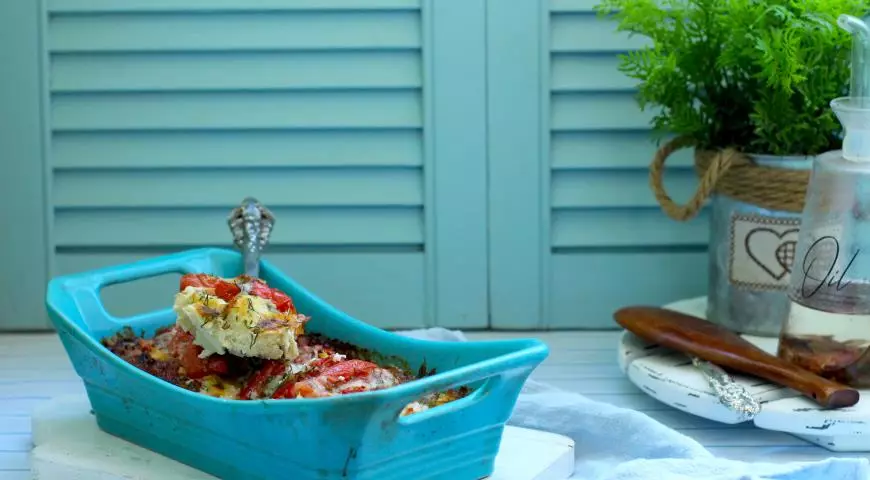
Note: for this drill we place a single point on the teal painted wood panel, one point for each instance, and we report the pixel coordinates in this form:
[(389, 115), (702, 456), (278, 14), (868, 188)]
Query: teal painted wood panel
[(456, 211), (587, 72), (624, 227), (622, 188), (587, 287), (576, 29), (610, 244), (360, 124), (479, 158), (24, 255), (592, 111), (573, 161), (608, 149), (518, 217)]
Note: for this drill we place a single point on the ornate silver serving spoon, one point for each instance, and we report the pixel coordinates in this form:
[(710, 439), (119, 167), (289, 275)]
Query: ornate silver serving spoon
[(251, 225)]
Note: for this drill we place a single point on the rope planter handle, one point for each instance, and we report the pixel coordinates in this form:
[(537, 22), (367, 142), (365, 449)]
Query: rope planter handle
[(729, 172)]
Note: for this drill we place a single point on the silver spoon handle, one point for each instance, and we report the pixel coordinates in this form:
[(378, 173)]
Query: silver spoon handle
[(251, 225), (729, 392)]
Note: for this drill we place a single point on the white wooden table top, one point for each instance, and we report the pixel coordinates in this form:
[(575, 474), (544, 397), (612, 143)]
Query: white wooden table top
[(34, 367)]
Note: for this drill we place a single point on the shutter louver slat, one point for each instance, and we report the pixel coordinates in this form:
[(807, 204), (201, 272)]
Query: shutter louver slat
[(141, 227), (234, 31), (104, 6), (279, 188), (581, 31), (323, 148), (588, 72), (236, 71), (613, 149), (236, 110)]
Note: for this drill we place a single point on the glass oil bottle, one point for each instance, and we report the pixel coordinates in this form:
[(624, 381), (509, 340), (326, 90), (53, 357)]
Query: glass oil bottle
[(827, 330)]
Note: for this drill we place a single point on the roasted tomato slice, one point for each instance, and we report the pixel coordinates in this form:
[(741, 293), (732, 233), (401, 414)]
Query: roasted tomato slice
[(196, 367), (356, 389), (286, 390), (299, 389), (193, 366), (182, 347), (222, 288), (217, 364), (260, 289), (281, 300), (326, 373), (198, 280), (348, 369), (254, 388), (226, 290)]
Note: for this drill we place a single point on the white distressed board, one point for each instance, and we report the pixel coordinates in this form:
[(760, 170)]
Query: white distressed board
[(669, 377), (68, 445)]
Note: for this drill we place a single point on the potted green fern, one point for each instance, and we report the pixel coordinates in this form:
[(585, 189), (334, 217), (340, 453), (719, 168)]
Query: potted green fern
[(747, 84)]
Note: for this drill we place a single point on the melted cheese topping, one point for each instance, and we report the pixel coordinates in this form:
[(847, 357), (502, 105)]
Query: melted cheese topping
[(159, 354), (217, 387), (414, 407), (247, 326)]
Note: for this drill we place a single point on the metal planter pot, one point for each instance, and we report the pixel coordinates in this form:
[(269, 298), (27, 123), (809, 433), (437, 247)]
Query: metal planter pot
[(750, 259)]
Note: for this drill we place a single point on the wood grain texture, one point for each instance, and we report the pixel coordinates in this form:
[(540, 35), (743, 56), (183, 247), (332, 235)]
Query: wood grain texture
[(708, 341), (586, 287)]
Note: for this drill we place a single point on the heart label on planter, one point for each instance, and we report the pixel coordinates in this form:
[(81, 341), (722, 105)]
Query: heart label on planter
[(762, 251)]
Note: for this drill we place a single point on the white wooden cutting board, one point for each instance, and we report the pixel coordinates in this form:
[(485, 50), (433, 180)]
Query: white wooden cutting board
[(669, 377), (68, 445)]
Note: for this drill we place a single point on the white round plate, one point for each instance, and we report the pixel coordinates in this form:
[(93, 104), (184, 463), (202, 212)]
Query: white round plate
[(669, 377)]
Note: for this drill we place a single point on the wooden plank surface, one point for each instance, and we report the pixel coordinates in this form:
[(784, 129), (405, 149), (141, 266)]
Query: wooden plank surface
[(34, 367)]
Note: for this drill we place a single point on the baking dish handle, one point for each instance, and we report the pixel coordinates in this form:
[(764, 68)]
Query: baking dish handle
[(502, 378), (84, 289)]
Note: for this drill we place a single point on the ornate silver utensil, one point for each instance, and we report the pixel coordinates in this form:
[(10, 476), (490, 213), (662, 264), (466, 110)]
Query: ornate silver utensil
[(730, 393), (251, 225)]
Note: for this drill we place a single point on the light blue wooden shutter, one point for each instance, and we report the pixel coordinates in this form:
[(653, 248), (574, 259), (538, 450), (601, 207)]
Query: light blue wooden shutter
[(360, 124), (24, 250), (576, 231)]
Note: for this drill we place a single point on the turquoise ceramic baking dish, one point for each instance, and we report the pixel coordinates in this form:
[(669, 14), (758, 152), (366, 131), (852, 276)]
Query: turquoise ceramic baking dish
[(358, 436)]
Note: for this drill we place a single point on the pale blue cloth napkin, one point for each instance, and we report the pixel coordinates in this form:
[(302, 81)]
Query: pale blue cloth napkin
[(613, 443)]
